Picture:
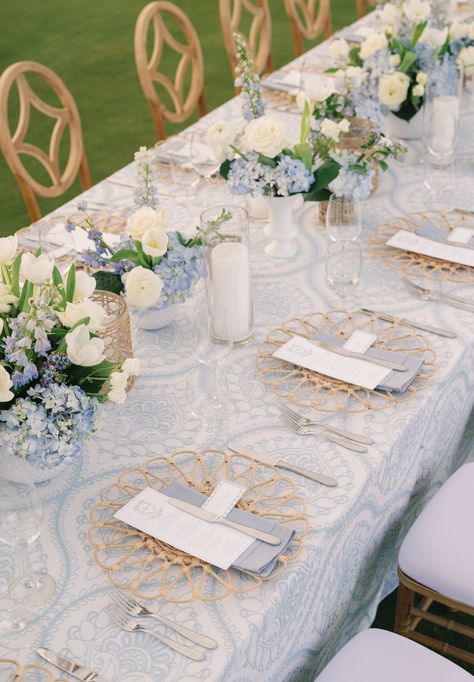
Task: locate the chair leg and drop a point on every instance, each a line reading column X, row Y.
column 405, row 599
column 360, row 5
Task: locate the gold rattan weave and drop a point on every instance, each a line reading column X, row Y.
column 151, row 569
column 16, row 672
column 310, row 389
column 116, row 332
column 416, row 264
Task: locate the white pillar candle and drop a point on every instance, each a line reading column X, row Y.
column 444, row 123
column 230, row 281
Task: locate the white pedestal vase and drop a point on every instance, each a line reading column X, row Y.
column 281, row 228
column 256, row 207
column 404, row 130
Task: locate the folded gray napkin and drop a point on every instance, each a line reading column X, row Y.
column 437, row 233
column 260, row 558
column 395, row 381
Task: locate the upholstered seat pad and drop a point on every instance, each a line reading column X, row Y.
column 381, row 656
column 438, row 551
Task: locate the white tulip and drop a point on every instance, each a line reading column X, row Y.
column 434, row 36
column 319, row 88
column 36, row 269
column 78, row 311
column 7, row 299
column 372, row 44
column 5, row 385
column 117, row 395
column 143, row 219
column 339, row 50
column 219, row 138
column 84, row 286
column 417, row 10
column 394, row 59
column 333, row 130
column 467, row 58
column 393, row 89
column 8, row 248
column 458, row 30
column 470, row 31
column 83, row 350
column 266, row 135
column 131, row 366
column 390, row 14
column 142, row 287
column 155, row 242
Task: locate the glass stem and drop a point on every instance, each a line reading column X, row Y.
column 26, row 576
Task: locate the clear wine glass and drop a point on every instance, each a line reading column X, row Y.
column 343, row 266
column 343, row 219
column 21, row 518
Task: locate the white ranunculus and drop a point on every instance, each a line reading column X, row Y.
column 374, row 43
column 339, row 49
column 142, row 287
column 419, row 90
column 117, row 395
column 344, row 125
column 417, row 10
column 458, row 30
column 7, row 299
column 36, row 269
column 83, row 350
column 155, row 242
column 266, row 135
column 8, row 248
column 219, row 138
column 119, row 380
column 319, row 88
column 434, row 36
column 78, row 311
column 470, row 31
column 143, row 219
column 390, row 14
column 5, row 385
column 333, row 130
column 84, row 286
column 467, row 58
column 394, row 60
column 393, row 89
column 421, row 78
column 131, row 366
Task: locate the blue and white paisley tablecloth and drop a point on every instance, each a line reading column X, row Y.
column 291, row 626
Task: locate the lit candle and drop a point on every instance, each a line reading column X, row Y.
column 230, row 281
column 443, row 123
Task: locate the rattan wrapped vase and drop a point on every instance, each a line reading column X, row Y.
column 116, row 332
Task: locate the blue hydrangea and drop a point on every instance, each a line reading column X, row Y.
column 444, row 78
column 349, row 183
column 180, row 268
column 249, row 176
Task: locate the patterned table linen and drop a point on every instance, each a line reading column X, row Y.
column 290, row 627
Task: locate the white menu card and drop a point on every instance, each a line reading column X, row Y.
column 409, row 241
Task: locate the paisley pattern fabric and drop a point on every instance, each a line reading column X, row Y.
column 291, row 626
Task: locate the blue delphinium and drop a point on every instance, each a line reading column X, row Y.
column 253, row 105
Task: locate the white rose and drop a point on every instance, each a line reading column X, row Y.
column 131, row 366
column 266, row 135
column 393, row 89
column 434, row 36
column 84, row 286
column 7, row 299
column 145, row 218
column 417, row 10
column 467, row 58
column 470, row 31
column 142, row 287
column 458, row 30
column 394, row 59
column 330, row 129
column 356, row 74
column 421, row 78
column 117, row 395
column 339, row 50
column 78, row 311
column 419, row 90
column 83, row 350
column 155, row 242
column 318, row 88
column 374, row 43
column 219, row 138
column 390, row 14
column 8, row 248
column 5, row 385
column 36, row 269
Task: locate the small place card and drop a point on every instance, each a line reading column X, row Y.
column 223, row 498
column 299, row 351
column 360, row 341
column 409, row 241
column 150, row 512
column 463, row 235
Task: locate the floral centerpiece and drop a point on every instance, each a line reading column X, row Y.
column 54, row 372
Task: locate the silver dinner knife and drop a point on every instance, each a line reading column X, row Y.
column 203, row 514
column 312, row 475
column 418, row 325
column 359, row 356
column 68, row 666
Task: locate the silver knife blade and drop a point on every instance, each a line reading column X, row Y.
column 203, row 514
column 359, row 356
column 312, row 475
column 404, row 320
column 75, row 669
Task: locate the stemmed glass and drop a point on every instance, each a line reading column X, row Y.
column 343, row 219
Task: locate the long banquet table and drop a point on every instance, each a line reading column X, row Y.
column 289, row 627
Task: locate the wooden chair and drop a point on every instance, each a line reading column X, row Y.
column 308, row 20
column 13, row 144
column 259, row 38
column 191, row 57
column 436, row 562
column 361, row 6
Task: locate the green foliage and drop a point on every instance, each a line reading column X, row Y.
column 107, row 281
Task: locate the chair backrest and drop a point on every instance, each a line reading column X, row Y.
column 361, row 6
column 13, row 143
column 258, row 38
column 309, row 19
column 182, row 103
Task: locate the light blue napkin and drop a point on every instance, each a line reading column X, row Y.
column 437, row 233
column 260, row 558
column 395, row 381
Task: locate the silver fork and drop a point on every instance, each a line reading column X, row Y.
column 318, row 431
column 121, row 618
column 134, row 608
column 306, row 421
column 430, row 295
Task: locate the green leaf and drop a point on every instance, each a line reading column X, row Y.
column 333, row 69
column 303, row 152
column 15, row 275
column 417, row 33
column 407, row 62
column 325, row 175
column 25, row 295
column 225, row 168
column 383, row 165
column 266, row 160
column 126, row 254
column 354, row 57
column 145, row 260
column 359, row 168
column 107, row 281
column 399, row 47
column 70, row 283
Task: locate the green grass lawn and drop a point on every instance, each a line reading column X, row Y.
column 90, row 45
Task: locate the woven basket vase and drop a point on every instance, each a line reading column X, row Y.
column 116, row 333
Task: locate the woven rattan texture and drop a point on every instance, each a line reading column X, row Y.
column 12, row 671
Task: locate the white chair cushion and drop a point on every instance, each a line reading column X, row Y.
column 438, row 551
column 381, row 656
